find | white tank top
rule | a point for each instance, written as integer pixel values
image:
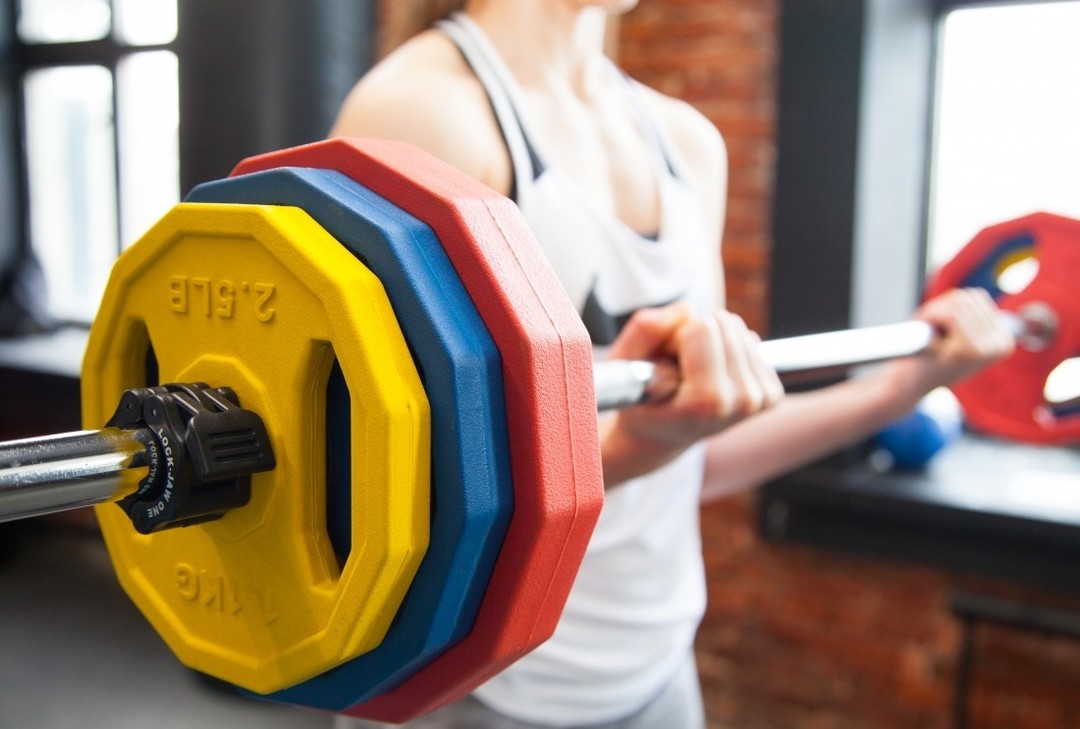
(635, 606)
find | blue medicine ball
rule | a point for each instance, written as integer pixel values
(914, 439)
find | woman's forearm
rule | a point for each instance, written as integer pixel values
(802, 428)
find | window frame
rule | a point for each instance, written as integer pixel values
(856, 255)
(29, 56)
(14, 243)
(277, 69)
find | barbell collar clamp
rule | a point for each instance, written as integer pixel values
(170, 456)
(203, 451)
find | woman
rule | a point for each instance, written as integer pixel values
(625, 189)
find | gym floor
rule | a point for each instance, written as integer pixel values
(75, 652)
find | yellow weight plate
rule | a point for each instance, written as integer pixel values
(262, 299)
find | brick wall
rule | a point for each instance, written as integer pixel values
(721, 57)
(795, 637)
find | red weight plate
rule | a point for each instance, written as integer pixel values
(550, 406)
(1008, 398)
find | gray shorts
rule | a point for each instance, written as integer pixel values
(678, 705)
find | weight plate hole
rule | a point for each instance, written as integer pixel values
(1063, 385)
(151, 375)
(1016, 276)
(338, 463)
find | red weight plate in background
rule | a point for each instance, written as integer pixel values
(1008, 398)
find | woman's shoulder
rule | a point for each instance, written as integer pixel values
(424, 93)
(697, 141)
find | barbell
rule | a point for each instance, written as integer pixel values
(400, 506)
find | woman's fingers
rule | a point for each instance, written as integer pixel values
(973, 334)
(649, 332)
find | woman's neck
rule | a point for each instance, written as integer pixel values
(545, 42)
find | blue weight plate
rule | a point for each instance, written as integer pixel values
(472, 493)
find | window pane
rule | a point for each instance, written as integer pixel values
(59, 21)
(1007, 120)
(147, 101)
(70, 153)
(145, 22)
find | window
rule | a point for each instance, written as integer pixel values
(100, 120)
(1006, 140)
(1007, 117)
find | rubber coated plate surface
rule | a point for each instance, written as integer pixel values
(263, 300)
(550, 405)
(459, 366)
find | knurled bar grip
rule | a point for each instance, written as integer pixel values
(622, 383)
